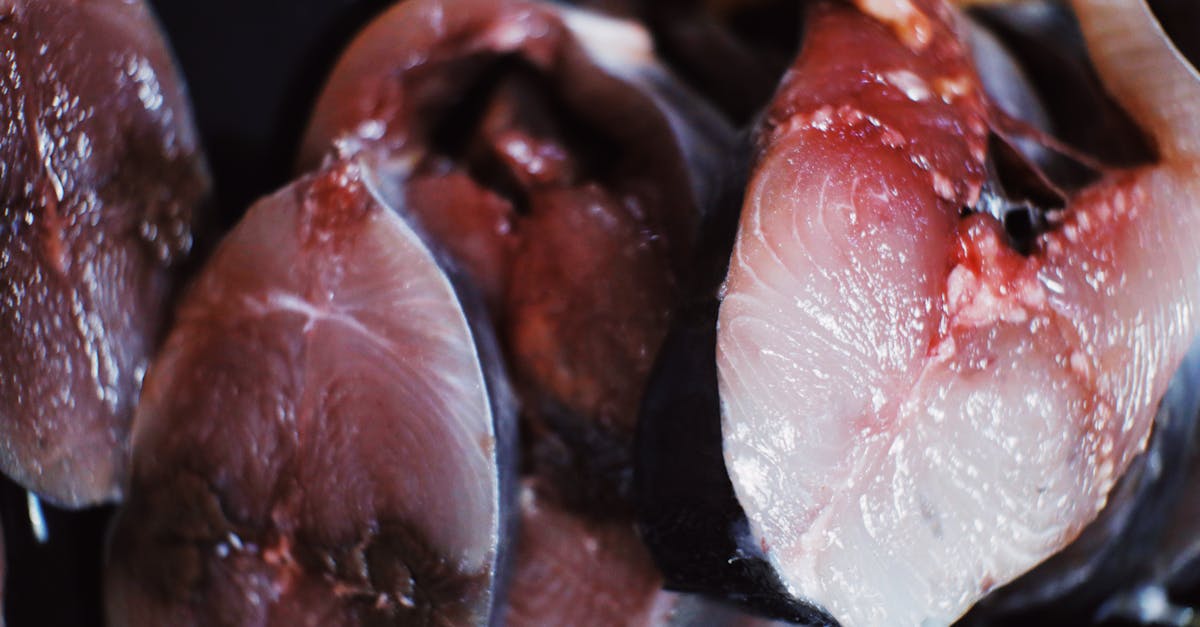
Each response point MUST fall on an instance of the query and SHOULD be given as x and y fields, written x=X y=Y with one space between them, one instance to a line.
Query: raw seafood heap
x=902 y=343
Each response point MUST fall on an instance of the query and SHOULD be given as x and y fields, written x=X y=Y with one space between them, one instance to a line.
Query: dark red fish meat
x=102 y=182
x=323 y=438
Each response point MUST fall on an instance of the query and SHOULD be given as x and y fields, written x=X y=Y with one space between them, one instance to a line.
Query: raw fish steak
x=101 y=178
x=317 y=441
x=914 y=411
x=550 y=156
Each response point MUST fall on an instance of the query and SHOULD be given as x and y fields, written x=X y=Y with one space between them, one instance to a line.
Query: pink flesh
x=913 y=412
x=100 y=176
x=589 y=572
x=320 y=399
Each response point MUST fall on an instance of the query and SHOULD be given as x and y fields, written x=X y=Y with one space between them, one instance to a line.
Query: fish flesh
x=103 y=182
x=586 y=570
x=576 y=570
x=1144 y=539
x=324 y=438
x=901 y=390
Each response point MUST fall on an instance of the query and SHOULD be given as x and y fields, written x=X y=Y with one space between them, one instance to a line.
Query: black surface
x=254 y=68
x=56 y=583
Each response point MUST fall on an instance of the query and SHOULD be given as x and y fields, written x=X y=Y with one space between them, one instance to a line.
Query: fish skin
x=317 y=442
x=687 y=512
x=731 y=53
x=1174 y=563
x=1044 y=38
x=103 y=185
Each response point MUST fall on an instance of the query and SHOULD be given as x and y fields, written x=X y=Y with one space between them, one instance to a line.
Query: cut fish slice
x=913 y=411
x=100 y=181
x=317 y=443
x=545 y=151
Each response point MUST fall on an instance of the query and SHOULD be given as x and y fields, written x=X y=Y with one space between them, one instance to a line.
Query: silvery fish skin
x=324 y=439
x=103 y=183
